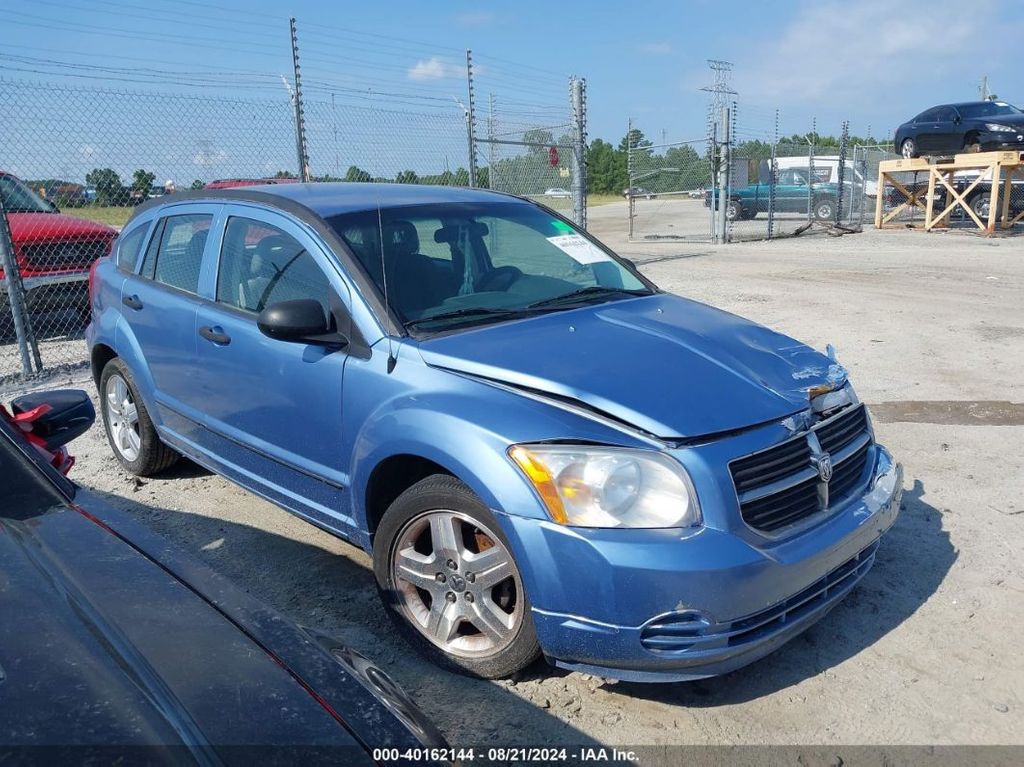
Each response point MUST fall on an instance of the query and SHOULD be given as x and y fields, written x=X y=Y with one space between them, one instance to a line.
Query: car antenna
x=392 y=360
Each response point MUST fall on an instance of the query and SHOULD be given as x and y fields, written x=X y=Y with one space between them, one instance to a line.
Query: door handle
x=215 y=335
x=132 y=302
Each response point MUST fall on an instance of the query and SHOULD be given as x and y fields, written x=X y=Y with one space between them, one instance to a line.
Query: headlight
x=997 y=128
x=586 y=486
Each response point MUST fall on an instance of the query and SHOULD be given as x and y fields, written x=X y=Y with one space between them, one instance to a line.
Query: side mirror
x=629 y=261
x=302 y=320
x=65 y=414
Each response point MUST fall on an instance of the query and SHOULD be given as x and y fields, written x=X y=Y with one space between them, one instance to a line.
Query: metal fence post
x=578 y=88
x=810 y=169
x=300 y=120
x=471 y=119
x=629 y=174
x=16 y=300
x=724 y=161
x=844 y=137
x=773 y=172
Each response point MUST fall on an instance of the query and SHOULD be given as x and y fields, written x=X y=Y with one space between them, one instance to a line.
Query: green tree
x=407 y=177
x=142 y=180
x=355 y=173
x=109 y=189
x=197 y=184
x=285 y=174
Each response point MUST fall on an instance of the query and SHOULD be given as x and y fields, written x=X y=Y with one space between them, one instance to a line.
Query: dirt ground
x=925 y=651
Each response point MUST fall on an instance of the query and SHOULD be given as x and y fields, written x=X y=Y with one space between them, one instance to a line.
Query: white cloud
x=856 y=52
x=434 y=68
x=657 y=49
x=475 y=18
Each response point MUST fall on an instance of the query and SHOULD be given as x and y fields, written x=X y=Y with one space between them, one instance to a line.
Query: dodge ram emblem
x=825 y=467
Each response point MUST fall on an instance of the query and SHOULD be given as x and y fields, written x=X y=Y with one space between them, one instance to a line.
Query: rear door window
x=178 y=255
x=128 y=247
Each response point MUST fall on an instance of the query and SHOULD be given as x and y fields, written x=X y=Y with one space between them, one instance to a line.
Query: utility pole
x=471 y=119
x=718 y=142
x=300 y=120
x=983 y=88
x=578 y=95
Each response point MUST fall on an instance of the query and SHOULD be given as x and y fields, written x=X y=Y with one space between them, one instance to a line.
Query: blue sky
x=645 y=60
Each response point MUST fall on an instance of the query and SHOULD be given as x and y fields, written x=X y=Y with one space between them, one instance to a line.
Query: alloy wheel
x=457 y=584
x=122 y=418
x=907 y=149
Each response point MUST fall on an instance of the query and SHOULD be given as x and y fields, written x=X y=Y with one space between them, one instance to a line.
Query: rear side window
x=261 y=264
x=946 y=115
x=128 y=247
x=177 y=258
x=927 y=117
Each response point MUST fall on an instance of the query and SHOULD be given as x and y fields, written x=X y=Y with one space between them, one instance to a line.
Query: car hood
x=669 y=366
x=100 y=644
x=27 y=228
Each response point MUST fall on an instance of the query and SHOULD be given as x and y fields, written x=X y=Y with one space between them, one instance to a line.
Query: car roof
x=333 y=198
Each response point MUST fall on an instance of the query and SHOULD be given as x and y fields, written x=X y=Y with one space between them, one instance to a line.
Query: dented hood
x=672 y=367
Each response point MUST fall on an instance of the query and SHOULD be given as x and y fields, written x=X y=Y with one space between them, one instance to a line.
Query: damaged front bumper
x=673 y=605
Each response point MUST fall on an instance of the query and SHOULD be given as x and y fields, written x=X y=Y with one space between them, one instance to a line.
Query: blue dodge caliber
x=543 y=452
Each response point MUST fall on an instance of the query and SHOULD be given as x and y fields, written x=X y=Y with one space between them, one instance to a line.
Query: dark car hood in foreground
x=672 y=367
x=109 y=643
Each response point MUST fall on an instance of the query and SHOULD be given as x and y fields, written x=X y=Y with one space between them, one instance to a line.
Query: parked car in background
x=638 y=191
x=544 y=454
x=791 y=194
x=964 y=127
x=231 y=183
x=54 y=252
x=113 y=640
x=557 y=192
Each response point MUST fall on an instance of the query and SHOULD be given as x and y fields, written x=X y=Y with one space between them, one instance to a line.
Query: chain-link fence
x=546 y=163
x=75 y=161
x=666 y=192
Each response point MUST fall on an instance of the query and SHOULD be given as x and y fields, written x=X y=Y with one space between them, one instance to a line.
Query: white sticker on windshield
x=579 y=248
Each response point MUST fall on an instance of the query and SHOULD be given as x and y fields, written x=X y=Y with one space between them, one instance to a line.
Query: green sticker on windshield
x=561 y=226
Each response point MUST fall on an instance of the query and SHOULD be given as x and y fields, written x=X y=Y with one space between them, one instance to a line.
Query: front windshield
x=18 y=198
x=990 y=109
x=467 y=263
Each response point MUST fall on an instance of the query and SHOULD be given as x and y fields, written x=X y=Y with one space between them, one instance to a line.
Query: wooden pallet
x=997 y=168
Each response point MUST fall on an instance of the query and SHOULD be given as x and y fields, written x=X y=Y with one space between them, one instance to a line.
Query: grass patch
x=603 y=199
x=116 y=217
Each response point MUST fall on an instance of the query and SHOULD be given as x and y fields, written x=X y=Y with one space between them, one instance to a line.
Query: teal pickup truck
x=791 y=196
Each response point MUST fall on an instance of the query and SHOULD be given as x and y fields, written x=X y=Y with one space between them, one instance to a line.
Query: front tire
x=130 y=431
x=446 y=575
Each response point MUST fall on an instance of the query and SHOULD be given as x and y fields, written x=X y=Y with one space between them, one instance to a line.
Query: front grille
x=838 y=432
x=780 y=486
x=690 y=632
x=845 y=475
x=53 y=256
x=769 y=465
x=820 y=593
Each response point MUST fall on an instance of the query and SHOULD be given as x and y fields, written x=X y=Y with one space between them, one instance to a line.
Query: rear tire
x=130 y=431
x=908 y=149
x=464 y=610
x=824 y=209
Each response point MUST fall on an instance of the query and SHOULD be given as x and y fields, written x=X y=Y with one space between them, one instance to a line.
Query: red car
x=231 y=183
x=53 y=251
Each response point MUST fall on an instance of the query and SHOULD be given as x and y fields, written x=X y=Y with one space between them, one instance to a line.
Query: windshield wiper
x=470 y=312
x=583 y=294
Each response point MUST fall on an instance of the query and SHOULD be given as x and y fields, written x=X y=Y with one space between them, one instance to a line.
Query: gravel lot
x=925 y=651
